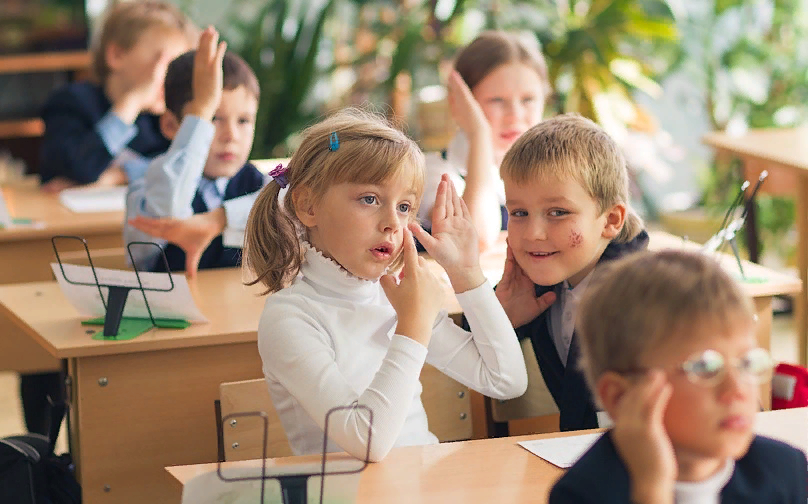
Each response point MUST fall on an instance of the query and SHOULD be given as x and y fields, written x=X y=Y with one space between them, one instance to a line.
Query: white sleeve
x=237 y=210
x=297 y=353
x=489 y=358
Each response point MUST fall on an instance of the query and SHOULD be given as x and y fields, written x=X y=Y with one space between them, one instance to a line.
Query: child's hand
x=465 y=110
x=192 y=235
x=641 y=439
x=517 y=293
x=207 y=77
x=145 y=93
x=57 y=185
x=417 y=298
x=453 y=242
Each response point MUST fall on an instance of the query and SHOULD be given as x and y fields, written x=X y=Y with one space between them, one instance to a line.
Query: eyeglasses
x=708 y=368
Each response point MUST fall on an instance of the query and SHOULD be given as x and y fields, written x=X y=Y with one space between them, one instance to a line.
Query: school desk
x=479 y=471
x=762 y=286
x=784 y=153
x=26 y=254
x=140 y=405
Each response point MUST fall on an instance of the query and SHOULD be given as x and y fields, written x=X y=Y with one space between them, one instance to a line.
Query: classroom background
x=658 y=75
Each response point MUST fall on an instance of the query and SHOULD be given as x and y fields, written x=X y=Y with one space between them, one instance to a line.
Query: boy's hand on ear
x=453 y=242
x=517 y=294
x=207 y=76
x=641 y=439
x=465 y=110
x=192 y=235
x=417 y=297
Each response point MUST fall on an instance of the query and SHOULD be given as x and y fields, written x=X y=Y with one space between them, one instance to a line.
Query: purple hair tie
x=279 y=175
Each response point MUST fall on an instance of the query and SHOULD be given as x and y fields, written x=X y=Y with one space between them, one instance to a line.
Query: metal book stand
x=116 y=299
x=294 y=487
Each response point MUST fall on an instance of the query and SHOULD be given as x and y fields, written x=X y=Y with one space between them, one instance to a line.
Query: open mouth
x=383 y=251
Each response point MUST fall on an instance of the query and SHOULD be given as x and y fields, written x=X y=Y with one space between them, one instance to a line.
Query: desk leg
x=138 y=413
x=763 y=308
x=801 y=306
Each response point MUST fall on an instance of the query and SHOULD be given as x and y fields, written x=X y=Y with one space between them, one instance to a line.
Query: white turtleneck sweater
x=329 y=340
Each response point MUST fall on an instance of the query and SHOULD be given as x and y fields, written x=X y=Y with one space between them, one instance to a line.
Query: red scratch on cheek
x=576 y=239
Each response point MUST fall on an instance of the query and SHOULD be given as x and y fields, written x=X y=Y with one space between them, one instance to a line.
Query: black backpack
x=30 y=473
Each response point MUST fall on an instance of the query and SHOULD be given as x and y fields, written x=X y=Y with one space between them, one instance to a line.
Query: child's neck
x=697 y=468
x=113 y=88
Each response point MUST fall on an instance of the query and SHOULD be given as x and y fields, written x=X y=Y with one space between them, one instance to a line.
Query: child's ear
x=304 y=207
x=169 y=124
x=114 y=54
x=610 y=389
x=615 y=219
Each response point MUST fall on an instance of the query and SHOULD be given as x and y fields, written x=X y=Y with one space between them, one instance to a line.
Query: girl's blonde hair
x=125 y=22
x=650 y=300
x=492 y=49
x=371 y=151
x=569 y=146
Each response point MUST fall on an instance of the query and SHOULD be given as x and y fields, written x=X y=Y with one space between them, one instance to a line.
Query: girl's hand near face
x=465 y=110
x=453 y=243
x=417 y=297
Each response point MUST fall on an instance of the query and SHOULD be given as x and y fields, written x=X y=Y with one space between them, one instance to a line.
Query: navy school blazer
x=566 y=383
x=247 y=180
x=72 y=148
x=770 y=472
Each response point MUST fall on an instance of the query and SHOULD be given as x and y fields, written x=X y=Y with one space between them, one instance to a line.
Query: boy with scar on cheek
x=566 y=192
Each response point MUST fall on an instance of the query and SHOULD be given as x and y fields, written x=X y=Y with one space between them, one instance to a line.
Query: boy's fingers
x=456 y=201
x=545 y=300
x=660 y=403
x=220 y=53
x=439 y=210
x=449 y=201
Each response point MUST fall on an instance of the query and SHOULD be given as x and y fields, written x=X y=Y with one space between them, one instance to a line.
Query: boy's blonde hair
x=494 y=48
x=569 y=146
x=637 y=304
x=124 y=23
x=371 y=151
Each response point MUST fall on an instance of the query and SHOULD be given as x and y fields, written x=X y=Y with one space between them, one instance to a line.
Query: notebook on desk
x=94 y=199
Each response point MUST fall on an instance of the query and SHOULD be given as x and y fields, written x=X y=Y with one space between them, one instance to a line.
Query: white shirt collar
x=325 y=272
x=221 y=184
x=707 y=491
x=576 y=292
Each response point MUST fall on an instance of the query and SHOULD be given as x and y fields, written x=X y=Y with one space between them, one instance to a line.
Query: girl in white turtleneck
x=343 y=327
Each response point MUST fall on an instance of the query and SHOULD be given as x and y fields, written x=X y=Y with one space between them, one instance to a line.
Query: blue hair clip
x=333 y=142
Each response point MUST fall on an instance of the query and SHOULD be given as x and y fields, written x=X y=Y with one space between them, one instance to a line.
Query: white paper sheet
x=561 y=451
x=5 y=217
x=94 y=199
x=176 y=304
x=209 y=489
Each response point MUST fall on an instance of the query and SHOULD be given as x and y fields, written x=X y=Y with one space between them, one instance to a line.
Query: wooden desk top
x=493 y=263
x=44 y=313
x=786 y=146
x=485 y=470
x=27 y=201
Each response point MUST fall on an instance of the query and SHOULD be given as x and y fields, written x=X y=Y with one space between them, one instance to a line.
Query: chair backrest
x=536 y=402
x=242 y=435
x=447 y=404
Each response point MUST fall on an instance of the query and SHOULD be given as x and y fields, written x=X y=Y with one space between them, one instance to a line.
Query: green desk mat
x=132 y=327
x=20 y=222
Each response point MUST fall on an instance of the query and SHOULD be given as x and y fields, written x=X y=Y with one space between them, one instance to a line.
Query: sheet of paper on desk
x=561 y=451
x=94 y=199
x=208 y=488
x=175 y=304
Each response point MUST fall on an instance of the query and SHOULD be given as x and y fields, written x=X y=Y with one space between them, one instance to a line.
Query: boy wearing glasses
x=680 y=376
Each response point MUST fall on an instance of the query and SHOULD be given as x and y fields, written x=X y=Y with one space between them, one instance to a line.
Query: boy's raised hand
x=517 y=294
x=417 y=297
x=143 y=95
x=207 y=76
x=453 y=242
x=641 y=439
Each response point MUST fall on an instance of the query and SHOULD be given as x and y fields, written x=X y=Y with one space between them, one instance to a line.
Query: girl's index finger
x=410 y=253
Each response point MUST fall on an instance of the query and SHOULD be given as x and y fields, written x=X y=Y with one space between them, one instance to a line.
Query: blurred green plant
x=755 y=75
x=281 y=42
